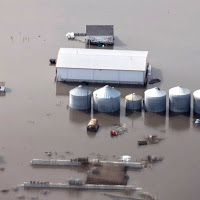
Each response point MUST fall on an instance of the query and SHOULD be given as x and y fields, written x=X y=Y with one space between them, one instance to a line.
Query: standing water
x=35 y=117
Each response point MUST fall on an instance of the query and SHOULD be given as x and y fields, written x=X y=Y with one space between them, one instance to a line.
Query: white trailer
x=101 y=66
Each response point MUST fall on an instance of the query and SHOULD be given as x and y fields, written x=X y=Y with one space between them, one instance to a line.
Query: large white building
x=101 y=66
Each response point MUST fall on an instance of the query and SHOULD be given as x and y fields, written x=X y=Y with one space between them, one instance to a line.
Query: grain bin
x=196 y=101
x=179 y=99
x=155 y=100
x=80 y=98
x=133 y=102
x=106 y=99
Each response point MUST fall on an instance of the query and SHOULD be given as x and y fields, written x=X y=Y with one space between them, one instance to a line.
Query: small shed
x=100 y=34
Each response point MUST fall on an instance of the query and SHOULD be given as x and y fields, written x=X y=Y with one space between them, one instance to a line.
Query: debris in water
x=45 y=192
x=162 y=130
x=48 y=153
x=118 y=129
x=154 y=80
x=147 y=196
x=16 y=189
x=120 y=197
x=34 y=197
x=113 y=133
x=153 y=139
x=75 y=181
x=32 y=122
x=5 y=190
x=125 y=158
x=69 y=152
x=141 y=143
x=2 y=169
x=20 y=196
x=2 y=87
x=154 y=159
x=52 y=61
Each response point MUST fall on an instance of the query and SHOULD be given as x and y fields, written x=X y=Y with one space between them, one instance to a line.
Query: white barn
x=101 y=66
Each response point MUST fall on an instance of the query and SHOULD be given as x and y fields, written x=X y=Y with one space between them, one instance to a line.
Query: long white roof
x=102 y=59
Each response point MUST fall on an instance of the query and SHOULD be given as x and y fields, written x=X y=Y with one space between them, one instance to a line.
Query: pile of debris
x=154 y=80
x=151 y=159
x=119 y=129
x=107 y=174
x=150 y=139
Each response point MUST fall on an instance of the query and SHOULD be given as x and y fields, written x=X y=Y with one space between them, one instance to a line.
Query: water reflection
x=2 y=94
x=155 y=120
x=79 y=116
x=179 y=122
x=133 y=114
x=62 y=89
x=106 y=120
x=2 y=161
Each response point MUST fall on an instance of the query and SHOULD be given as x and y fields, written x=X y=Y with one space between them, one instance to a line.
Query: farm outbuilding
x=101 y=66
x=100 y=34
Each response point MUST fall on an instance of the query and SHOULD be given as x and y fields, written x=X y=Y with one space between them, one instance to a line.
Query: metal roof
x=196 y=94
x=106 y=92
x=155 y=92
x=99 y=30
x=80 y=91
x=102 y=59
x=179 y=90
x=133 y=97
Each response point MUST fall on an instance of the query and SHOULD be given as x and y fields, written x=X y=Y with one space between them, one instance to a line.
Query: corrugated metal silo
x=179 y=99
x=196 y=101
x=133 y=102
x=106 y=99
x=80 y=98
x=155 y=100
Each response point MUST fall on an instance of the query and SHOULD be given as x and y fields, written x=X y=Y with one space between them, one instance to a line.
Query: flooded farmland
x=35 y=117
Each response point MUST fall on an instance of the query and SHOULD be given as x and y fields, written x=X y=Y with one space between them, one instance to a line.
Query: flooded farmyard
x=35 y=114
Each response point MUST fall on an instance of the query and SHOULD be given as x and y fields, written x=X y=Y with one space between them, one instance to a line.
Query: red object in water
x=113 y=133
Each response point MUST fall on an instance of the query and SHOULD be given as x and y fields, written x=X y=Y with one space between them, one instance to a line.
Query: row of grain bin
x=179 y=100
x=107 y=99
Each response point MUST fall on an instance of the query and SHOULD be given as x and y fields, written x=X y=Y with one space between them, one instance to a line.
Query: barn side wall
x=100 y=76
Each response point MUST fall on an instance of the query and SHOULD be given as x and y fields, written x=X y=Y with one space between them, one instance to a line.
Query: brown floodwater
x=34 y=115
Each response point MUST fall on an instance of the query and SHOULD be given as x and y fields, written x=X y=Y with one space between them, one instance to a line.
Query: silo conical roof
x=179 y=90
x=196 y=94
x=106 y=92
x=80 y=91
x=155 y=92
x=133 y=97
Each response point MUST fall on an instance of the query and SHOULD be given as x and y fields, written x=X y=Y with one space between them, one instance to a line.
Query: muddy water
x=34 y=115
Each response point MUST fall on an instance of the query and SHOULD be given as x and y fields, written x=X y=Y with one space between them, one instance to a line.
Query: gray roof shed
x=99 y=30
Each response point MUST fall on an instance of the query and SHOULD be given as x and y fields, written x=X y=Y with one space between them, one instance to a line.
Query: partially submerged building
x=100 y=34
x=102 y=66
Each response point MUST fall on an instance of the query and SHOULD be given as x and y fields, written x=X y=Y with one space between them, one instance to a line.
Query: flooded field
x=34 y=113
